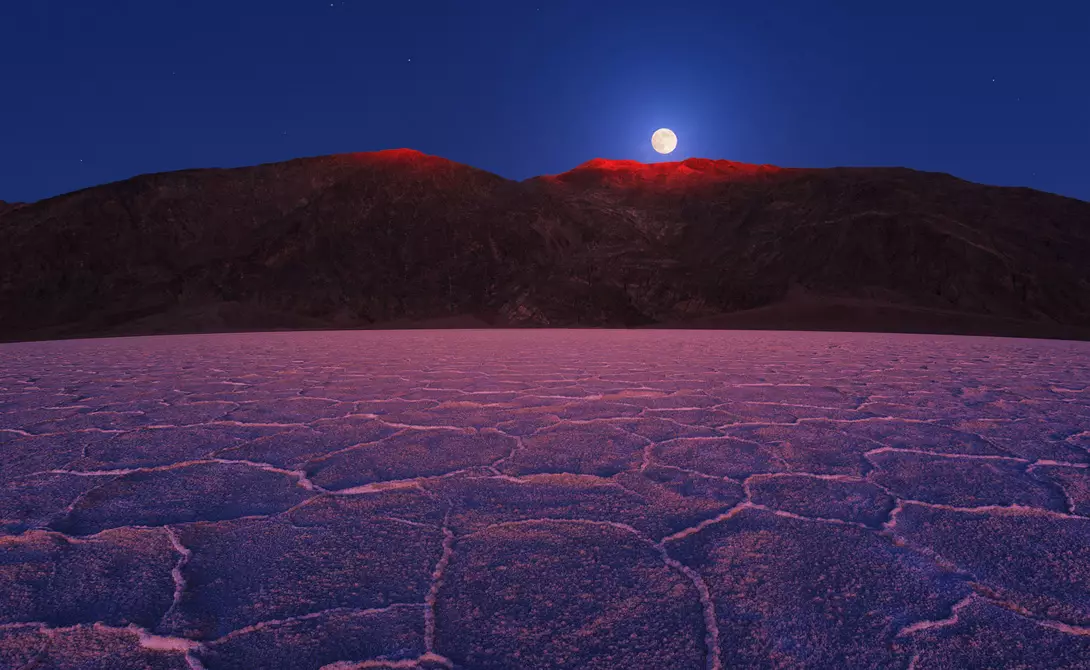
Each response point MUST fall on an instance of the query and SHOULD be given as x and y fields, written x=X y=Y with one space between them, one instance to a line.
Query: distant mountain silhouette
x=399 y=238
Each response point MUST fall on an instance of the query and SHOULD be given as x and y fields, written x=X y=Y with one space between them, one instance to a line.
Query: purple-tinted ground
x=545 y=499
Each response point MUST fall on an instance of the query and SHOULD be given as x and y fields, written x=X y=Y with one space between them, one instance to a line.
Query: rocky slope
x=399 y=237
x=9 y=206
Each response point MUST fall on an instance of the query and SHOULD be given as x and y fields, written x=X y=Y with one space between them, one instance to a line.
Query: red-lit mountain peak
x=400 y=159
x=409 y=162
x=633 y=174
x=410 y=157
x=612 y=165
x=403 y=154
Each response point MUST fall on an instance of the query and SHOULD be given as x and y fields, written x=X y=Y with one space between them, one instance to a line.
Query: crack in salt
x=506 y=478
x=1070 y=505
x=145 y=638
x=515 y=449
x=594 y=522
x=407 y=522
x=926 y=624
x=987 y=457
x=1004 y=510
x=99 y=473
x=1062 y=464
x=707 y=606
x=237 y=424
x=394 y=424
x=436 y=582
x=415 y=482
x=162 y=643
x=105 y=431
x=77 y=500
x=272 y=623
x=413 y=663
x=648 y=454
x=891 y=521
x=389 y=485
x=1065 y=628
x=336 y=452
x=184 y=555
x=300 y=476
x=811 y=475
x=817 y=519
x=693 y=530
x=997 y=599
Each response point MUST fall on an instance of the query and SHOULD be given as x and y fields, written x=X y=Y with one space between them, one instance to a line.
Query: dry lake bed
x=532 y=499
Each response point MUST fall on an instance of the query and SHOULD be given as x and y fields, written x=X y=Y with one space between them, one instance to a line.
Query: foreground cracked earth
x=545 y=499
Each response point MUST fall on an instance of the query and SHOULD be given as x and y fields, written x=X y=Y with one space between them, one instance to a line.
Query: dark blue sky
x=994 y=91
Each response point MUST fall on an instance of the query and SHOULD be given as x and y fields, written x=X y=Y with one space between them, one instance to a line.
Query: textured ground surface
x=545 y=499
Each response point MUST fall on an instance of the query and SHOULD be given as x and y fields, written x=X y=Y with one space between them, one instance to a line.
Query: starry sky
x=995 y=91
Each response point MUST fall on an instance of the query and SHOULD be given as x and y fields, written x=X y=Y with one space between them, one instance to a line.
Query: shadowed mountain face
x=9 y=206
x=401 y=238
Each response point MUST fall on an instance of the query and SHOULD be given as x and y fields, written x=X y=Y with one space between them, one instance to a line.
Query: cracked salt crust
x=574 y=374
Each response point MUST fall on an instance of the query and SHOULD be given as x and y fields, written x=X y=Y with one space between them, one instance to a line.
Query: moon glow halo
x=664 y=140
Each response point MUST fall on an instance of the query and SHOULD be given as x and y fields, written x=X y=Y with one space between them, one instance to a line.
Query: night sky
x=995 y=91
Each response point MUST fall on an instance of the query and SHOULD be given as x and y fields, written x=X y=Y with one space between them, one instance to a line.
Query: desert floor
x=531 y=499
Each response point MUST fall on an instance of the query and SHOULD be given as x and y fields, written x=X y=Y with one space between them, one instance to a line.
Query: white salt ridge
x=273 y=623
x=436 y=584
x=176 y=572
x=428 y=657
x=983 y=457
x=937 y=623
x=298 y=475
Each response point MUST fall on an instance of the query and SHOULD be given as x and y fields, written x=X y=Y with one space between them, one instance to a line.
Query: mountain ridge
x=403 y=237
x=408 y=156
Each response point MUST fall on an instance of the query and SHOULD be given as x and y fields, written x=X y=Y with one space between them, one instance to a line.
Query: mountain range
x=403 y=239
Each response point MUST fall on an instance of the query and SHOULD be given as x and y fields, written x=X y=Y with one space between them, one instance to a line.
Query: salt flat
x=545 y=499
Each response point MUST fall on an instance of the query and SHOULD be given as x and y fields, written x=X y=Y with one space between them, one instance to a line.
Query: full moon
x=664 y=140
